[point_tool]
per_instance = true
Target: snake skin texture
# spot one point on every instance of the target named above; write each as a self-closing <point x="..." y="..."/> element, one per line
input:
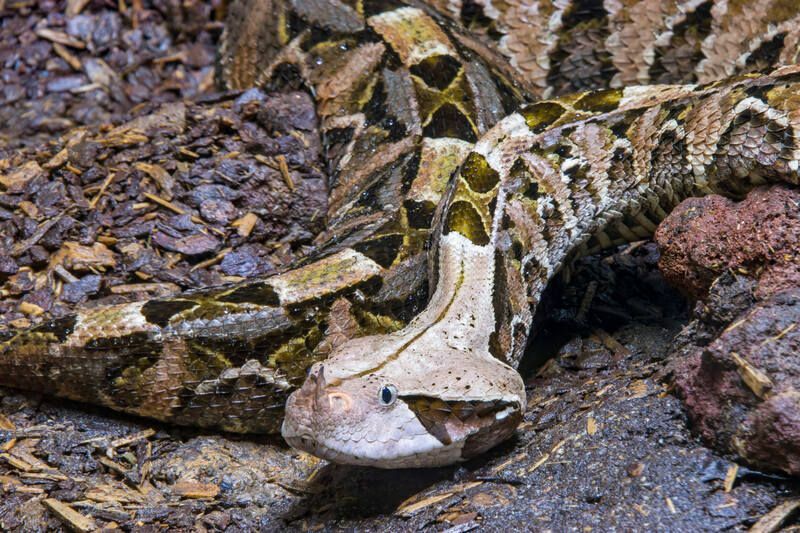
<point x="474" y="150"/>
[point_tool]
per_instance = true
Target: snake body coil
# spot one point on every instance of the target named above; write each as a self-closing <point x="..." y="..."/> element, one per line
<point x="468" y="165"/>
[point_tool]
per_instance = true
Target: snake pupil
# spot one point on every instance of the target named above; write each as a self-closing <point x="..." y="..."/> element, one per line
<point x="388" y="394"/>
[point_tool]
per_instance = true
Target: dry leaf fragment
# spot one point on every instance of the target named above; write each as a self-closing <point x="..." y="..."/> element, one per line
<point x="163" y="179"/>
<point x="77" y="257"/>
<point x="60" y="37"/>
<point x="15" y="181"/>
<point x="245" y="224"/>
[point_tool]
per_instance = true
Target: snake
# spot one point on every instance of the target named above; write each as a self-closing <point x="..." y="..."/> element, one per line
<point x="475" y="148"/>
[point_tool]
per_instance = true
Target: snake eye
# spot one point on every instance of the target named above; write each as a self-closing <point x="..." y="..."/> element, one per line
<point x="387" y="395"/>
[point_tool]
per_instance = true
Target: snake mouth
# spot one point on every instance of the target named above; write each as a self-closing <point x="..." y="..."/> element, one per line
<point x="374" y="456"/>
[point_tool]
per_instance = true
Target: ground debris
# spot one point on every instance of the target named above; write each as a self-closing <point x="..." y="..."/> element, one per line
<point x="71" y="518"/>
<point x="114" y="212"/>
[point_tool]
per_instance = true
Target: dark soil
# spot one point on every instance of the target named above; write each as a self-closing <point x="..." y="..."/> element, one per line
<point x="604" y="444"/>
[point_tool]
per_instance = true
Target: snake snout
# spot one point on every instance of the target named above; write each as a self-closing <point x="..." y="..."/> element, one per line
<point x="318" y="378"/>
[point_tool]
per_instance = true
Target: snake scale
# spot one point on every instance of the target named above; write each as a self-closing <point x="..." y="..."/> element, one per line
<point x="475" y="148"/>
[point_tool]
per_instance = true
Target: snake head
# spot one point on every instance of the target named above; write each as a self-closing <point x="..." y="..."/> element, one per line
<point x="366" y="407"/>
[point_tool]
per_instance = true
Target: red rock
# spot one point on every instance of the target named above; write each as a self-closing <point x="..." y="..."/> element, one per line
<point x="762" y="426"/>
<point x="704" y="237"/>
<point x="740" y="379"/>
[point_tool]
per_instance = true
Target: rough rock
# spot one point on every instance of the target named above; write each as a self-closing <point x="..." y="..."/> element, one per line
<point x="738" y="372"/>
<point x="758" y="237"/>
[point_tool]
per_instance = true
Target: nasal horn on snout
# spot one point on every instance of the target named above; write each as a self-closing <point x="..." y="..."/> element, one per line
<point x="319" y="394"/>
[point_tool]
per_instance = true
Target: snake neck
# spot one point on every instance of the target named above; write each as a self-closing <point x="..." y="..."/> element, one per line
<point x="568" y="177"/>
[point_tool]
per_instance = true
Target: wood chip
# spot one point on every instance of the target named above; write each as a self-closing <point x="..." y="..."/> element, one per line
<point x="57" y="160"/>
<point x="162" y="289"/>
<point x="71" y="518"/>
<point x="163" y="179"/>
<point x="113" y="466"/>
<point x="195" y="490"/>
<point x="49" y="476"/>
<point x="756" y="380"/>
<point x="64" y="274"/>
<point x="130" y="439"/>
<point x="116" y="495"/>
<point x="30" y="309"/>
<point x="412" y="506"/>
<point x="69" y="57"/>
<point x="774" y="520"/>
<point x="670" y="505"/>
<point x="185" y="151"/>
<point x="21" y="247"/>
<point x="591" y="425"/>
<point x="60" y="37"/>
<point x="730" y="477"/>
<point x="639" y="389"/>
<point x="164" y="203"/>
<point x="16" y="180"/>
<point x="75" y="256"/>
<point x="542" y="460"/>
<point x="15" y="462"/>
<point x="102" y="190"/>
<point x="74" y="7"/>
<point x="619" y="351"/>
<point x="284" y="168"/>
<point x="213" y="260"/>
<point x="172" y="207"/>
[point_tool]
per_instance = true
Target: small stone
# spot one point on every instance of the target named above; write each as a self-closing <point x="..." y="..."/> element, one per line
<point x="79" y="291"/>
<point x="8" y="266"/>
<point x="218" y="211"/>
<point x="243" y="262"/>
<point x="66" y="83"/>
<point x="192" y="245"/>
